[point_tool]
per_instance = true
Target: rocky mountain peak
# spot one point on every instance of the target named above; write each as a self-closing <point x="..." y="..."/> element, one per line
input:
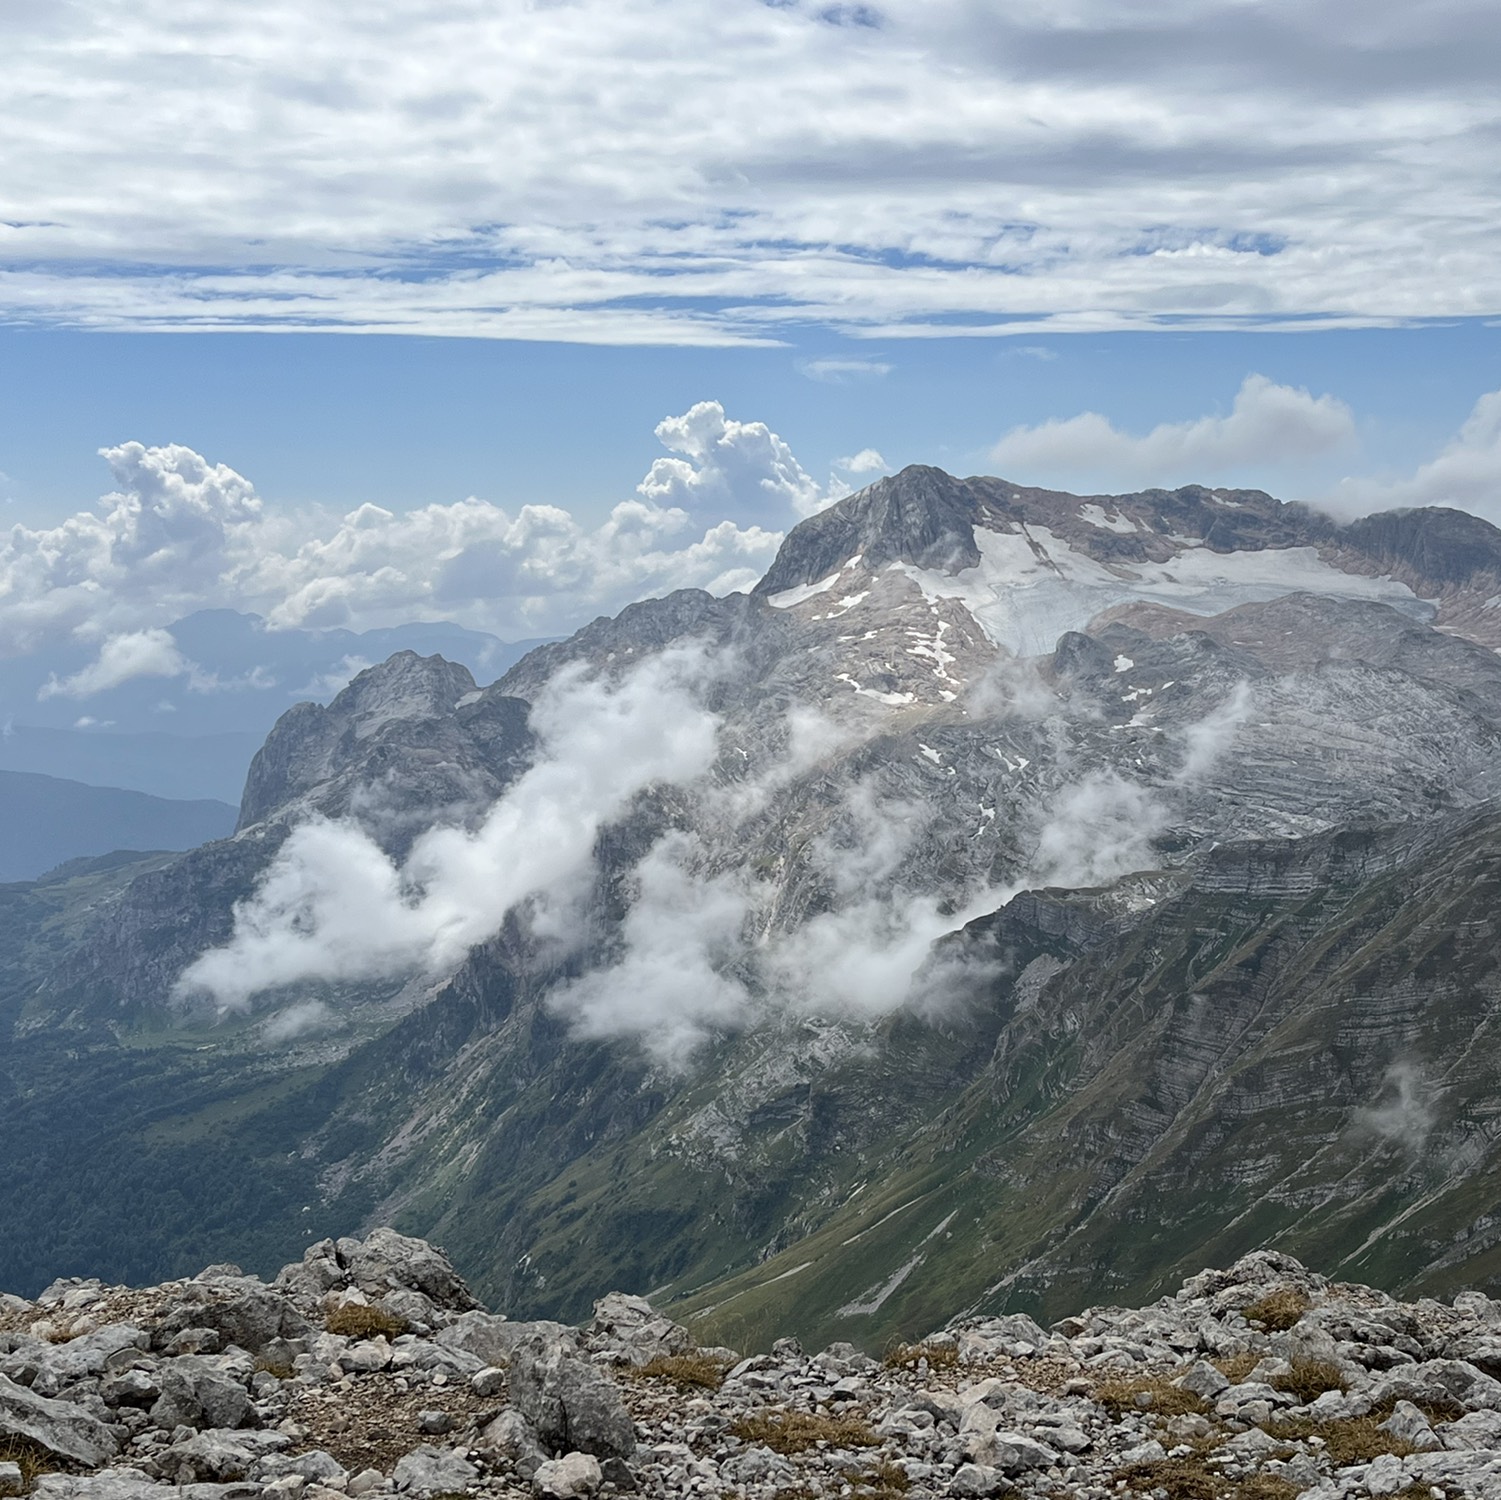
<point x="920" y="516"/>
<point x="1444" y="547"/>
<point x="403" y="707"/>
<point x="404" y="686"/>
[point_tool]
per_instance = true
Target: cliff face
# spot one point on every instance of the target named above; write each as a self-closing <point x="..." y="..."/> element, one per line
<point x="1088" y="887"/>
<point x="415" y="733"/>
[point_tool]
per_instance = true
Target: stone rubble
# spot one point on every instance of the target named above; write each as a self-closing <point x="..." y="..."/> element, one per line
<point x="368" y="1369"/>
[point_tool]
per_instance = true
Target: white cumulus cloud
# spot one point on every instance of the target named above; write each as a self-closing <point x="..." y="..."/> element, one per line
<point x="1267" y="424"/>
<point x="1465" y="474"/>
<point x="122" y="658"/>
<point x="729" y="465"/>
<point x="675" y="983"/>
<point x="180" y="533"/>
<point x="866" y="461"/>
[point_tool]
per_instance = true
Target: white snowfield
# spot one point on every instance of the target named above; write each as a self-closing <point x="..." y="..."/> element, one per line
<point x="1029" y="588"/>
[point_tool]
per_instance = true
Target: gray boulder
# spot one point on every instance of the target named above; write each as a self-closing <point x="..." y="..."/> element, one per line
<point x="493" y="1339"/>
<point x="632" y="1332"/>
<point x="1437" y="1380"/>
<point x="1013" y="1453"/>
<point x="131" y="1484"/>
<point x="1409" y="1425"/>
<point x="131" y="1388"/>
<point x="972" y="1481"/>
<point x="317" y="1467"/>
<point x="213" y="1457"/>
<point x="89" y="1355"/>
<point x="319" y="1271"/>
<point x="240" y="1309"/>
<point x="61" y="1427"/>
<point x="433" y="1471"/>
<point x="408" y="1276"/>
<point x="386" y="1261"/>
<point x="570" y="1403"/>
<point x="197" y="1392"/>
<point x="571" y="1477"/>
<point x="511" y="1436"/>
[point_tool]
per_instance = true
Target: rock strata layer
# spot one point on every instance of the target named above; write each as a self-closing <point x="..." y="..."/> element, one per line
<point x="374" y="1373"/>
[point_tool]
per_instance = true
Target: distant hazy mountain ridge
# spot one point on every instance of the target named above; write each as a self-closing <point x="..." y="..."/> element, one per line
<point x="46" y="820"/>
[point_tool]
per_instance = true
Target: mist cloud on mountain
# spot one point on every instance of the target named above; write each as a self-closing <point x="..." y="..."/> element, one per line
<point x="335" y="906"/>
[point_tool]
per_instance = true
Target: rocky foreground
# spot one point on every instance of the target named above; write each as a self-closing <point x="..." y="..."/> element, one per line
<point x="368" y="1369"/>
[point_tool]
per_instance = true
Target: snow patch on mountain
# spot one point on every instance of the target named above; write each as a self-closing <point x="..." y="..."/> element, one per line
<point x="1031" y="586"/>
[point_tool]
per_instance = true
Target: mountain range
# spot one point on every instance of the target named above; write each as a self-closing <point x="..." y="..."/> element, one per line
<point x="179" y="712"/>
<point x="1017" y="900"/>
<point x="48" y="820"/>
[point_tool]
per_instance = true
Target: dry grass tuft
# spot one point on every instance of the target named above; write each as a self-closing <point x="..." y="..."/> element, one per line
<point x="683" y="1370"/>
<point x="356" y="1321"/>
<point x="1310" y="1378"/>
<point x="1148" y="1393"/>
<point x="1235" y="1367"/>
<point x="34" y="1459"/>
<point x="1266" y="1487"/>
<point x="883" y="1481"/>
<point x="1279" y="1310"/>
<point x="281" y="1367"/>
<point x="908" y="1356"/>
<point x="1353" y="1440"/>
<point x="1181" y="1478"/>
<point x="786" y="1431"/>
<point x="1189" y="1478"/>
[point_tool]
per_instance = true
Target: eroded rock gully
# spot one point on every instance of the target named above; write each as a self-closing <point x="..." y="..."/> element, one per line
<point x="368" y="1369"/>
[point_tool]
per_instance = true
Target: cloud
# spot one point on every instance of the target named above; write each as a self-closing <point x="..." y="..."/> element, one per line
<point x="160" y="545"/>
<point x="866" y="461"/>
<point x="122" y="658"/>
<point x="689" y="968"/>
<point x="180" y="533"/>
<point x="1465" y="474"/>
<point x="1206" y="742"/>
<point x="564" y="172"/>
<point x="1404" y="1111"/>
<point x="844" y="371"/>
<point x="297" y="1020"/>
<point x="674" y="984"/>
<point x="335" y="907"/>
<point x="705" y="945"/>
<point x="1096" y="830"/>
<point x="1267" y="423"/>
<point x="729" y="465"/>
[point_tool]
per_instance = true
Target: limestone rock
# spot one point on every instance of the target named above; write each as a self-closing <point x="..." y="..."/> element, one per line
<point x="571" y="1477"/>
<point x="570" y="1404"/>
<point x="429" y="1470"/>
<point x="60" y="1427"/>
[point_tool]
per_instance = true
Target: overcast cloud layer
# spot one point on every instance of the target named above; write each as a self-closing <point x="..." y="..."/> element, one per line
<point x="714" y="171"/>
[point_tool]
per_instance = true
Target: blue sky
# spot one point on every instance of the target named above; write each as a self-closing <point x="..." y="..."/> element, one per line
<point x="508" y="311"/>
<point x="339" y="420"/>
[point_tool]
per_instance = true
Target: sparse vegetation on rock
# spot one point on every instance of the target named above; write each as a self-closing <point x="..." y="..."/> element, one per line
<point x="1185" y="1399"/>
